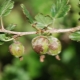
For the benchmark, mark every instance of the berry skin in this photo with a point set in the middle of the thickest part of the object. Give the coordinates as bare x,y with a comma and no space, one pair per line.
17,49
54,46
40,44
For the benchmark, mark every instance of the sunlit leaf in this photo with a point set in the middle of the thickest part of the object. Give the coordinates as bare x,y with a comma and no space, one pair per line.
43,21
11,27
60,8
75,36
26,12
6,7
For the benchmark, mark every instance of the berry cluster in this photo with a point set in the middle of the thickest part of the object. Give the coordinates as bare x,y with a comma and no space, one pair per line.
41,45
47,45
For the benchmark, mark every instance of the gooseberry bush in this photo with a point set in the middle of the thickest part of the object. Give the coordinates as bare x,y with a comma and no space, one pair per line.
45,42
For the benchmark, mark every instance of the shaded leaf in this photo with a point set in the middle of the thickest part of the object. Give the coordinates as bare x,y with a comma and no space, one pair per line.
11,27
6,7
43,21
4,38
60,8
75,36
26,12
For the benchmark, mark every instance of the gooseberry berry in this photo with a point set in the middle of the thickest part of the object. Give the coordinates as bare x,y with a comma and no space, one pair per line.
17,49
40,44
54,46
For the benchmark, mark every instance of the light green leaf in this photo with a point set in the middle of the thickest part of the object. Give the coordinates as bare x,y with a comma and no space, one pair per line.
6,7
43,21
75,36
4,38
60,8
26,12
11,27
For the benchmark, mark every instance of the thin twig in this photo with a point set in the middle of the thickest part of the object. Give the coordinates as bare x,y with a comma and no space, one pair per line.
17,33
34,32
2,26
64,30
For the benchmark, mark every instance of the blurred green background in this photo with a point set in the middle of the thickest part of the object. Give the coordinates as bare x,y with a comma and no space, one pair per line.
68,68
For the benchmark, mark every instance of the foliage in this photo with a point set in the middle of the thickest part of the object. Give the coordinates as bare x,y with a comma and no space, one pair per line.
6,7
25,11
43,21
60,8
31,68
75,36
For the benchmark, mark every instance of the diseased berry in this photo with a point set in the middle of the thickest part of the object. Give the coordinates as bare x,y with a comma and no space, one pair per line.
40,44
17,49
54,46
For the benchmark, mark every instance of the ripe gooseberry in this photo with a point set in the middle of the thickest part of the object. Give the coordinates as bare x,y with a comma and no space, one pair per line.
54,46
40,44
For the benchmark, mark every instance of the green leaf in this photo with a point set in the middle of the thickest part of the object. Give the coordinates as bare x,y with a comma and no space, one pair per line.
11,27
4,38
60,8
26,12
6,7
75,36
43,21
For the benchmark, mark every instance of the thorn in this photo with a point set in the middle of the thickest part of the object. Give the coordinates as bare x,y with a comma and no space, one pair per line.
42,57
57,57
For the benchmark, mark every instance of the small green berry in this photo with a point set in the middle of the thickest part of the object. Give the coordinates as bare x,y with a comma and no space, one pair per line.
40,44
54,46
17,49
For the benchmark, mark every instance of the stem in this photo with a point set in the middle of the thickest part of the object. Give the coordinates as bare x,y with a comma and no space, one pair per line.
34,32
2,26
17,33
64,30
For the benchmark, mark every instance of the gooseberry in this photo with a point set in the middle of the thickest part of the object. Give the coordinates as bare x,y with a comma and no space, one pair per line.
40,44
17,49
54,46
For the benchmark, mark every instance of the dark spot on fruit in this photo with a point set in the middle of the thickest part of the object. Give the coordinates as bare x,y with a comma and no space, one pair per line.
53,46
38,48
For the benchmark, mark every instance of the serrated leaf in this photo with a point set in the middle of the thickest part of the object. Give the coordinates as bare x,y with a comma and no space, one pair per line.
75,36
6,7
60,8
11,27
26,12
43,21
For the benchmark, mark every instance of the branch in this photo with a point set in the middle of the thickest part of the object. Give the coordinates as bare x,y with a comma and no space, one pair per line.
64,30
34,32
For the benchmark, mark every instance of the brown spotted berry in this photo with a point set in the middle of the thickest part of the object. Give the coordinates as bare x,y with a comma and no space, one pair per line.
54,46
40,44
